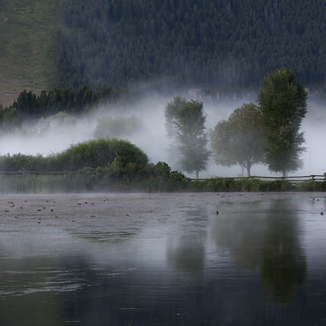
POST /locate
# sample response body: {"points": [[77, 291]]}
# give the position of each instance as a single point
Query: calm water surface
{"points": [[163, 259]]}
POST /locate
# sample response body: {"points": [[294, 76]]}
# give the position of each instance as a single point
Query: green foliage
{"points": [[9, 119], [171, 114], [41, 184], [222, 45], [100, 153], [27, 104], [312, 186], [241, 139], [56, 101], [21, 162], [85, 97], [162, 170], [241, 185], [283, 105], [218, 46], [185, 121]]}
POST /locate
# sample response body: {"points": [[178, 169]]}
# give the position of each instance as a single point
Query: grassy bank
{"points": [[79, 183], [41, 184]]}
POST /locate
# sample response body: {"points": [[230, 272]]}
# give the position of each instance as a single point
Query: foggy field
{"points": [[56, 136]]}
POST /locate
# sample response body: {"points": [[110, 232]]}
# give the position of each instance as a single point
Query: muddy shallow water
{"points": [[163, 259]]}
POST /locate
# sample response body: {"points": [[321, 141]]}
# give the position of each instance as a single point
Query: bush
{"points": [[100, 153]]}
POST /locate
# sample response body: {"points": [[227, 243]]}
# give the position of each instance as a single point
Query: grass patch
{"points": [[29, 31], [41, 184], [81, 183]]}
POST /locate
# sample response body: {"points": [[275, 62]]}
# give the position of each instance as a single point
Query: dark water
{"points": [[163, 259]]}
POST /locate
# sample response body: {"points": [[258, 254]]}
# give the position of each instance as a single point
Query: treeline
{"points": [[91, 154], [30, 106], [109, 164], [222, 46]]}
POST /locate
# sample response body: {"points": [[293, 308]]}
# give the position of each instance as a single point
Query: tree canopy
{"points": [[282, 102], [100, 153], [241, 139], [185, 122], [222, 45]]}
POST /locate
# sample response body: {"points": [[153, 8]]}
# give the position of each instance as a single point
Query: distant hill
{"points": [[220, 46], [29, 46]]}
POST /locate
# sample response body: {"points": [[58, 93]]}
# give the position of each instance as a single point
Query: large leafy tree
{"points": [[185, 123], [240, 140], [283, 106]]}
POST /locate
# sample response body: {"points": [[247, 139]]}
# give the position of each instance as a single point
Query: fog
{"points": [[57, 133]]}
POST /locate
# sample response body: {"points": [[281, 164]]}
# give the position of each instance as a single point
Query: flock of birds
{"points": [[12, 205]]}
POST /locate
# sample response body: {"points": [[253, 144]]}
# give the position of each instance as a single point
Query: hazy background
{"points": [[55, 135]]}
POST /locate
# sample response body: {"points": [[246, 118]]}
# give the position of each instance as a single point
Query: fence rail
{"points": [[293, 179]]}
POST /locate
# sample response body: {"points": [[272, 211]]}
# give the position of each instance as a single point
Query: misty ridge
{"points": [[143, 124], [216, 53]]}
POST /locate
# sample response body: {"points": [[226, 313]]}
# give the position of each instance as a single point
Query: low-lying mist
{"points": [[55, 134]]}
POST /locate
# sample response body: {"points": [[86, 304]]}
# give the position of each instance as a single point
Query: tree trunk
{"points": [[248, 171], [197, 174]]}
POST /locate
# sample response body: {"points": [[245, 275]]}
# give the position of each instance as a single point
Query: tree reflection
{"points": [[186, 254], [241, 231], [283, 264], [269, 241]]}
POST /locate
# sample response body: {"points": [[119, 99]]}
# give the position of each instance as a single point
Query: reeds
{"points": [[41, 184], [80, 183]]}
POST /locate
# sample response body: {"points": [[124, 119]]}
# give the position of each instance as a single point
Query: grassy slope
{"points": [[28, 38]]}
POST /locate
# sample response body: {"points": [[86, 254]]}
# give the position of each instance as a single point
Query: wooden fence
{"points": [[293, 179]]}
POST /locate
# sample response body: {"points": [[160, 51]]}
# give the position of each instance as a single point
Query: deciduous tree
{"points": [[283, 106], [239, 140], [185, 123]]}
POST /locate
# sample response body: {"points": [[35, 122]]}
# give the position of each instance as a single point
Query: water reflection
{"points": [[257, 263], [283, 260], [186, 254], [266, 237]]}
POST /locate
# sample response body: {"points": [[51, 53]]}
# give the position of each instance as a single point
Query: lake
{"points": [[163, 259]]}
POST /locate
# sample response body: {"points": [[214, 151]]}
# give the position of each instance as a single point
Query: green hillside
{"points": [[29, 47], [221, 46]]}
